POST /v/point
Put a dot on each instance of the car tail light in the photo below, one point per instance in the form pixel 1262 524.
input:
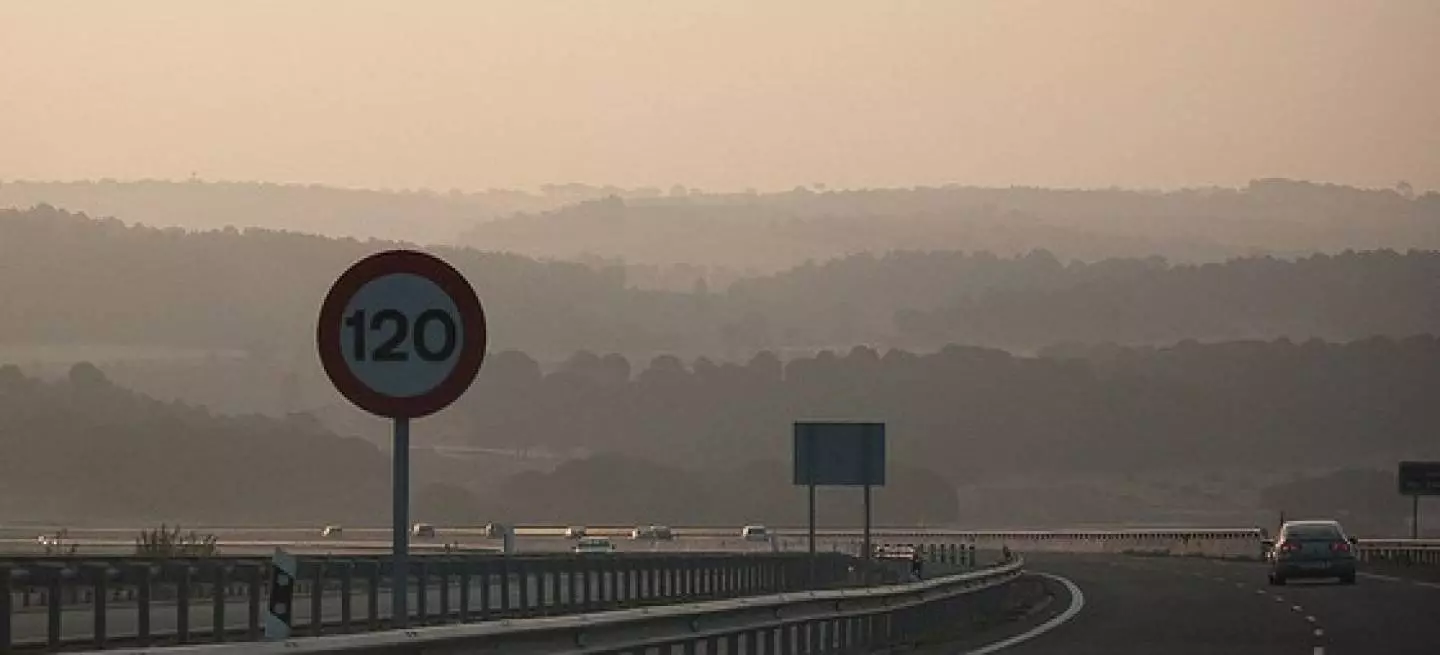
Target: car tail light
pixel 1340 547
pixel 1289 547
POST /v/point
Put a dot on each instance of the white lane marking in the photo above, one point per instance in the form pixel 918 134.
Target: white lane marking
pixel 1319 632
pixel 1260 591
pixel 1310 619
pixel 1319 650
pixel 1297 608
pixel 1279 599
pixel 1431 585
pixel 1239 585
pixel 1077 602
pixel 1377 576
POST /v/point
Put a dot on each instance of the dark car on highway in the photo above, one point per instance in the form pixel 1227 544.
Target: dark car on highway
pixel 1312 549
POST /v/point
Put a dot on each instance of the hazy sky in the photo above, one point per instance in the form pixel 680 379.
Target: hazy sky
pixel 723 94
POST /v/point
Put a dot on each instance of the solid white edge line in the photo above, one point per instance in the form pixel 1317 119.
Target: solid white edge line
pixel 1077 602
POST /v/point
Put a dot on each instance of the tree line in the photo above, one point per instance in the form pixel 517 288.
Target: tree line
pixel 70 280
pixel 775 231
pixel 84 450
pixel 972 413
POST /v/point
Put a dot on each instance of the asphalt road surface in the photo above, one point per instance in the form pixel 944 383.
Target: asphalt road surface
pixel 1174 606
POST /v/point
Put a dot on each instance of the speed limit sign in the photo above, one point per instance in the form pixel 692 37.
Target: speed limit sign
pixel 401 334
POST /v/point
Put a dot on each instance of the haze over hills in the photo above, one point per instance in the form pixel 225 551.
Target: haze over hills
pixel 421 216
pixel 771 232
pixel 1069 369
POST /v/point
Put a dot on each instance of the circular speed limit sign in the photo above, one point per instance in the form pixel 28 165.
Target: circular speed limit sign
pixel 401 334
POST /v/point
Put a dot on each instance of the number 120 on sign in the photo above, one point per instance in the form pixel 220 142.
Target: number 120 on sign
pixel 401 334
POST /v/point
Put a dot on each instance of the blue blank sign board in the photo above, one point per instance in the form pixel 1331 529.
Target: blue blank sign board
pixel 840 454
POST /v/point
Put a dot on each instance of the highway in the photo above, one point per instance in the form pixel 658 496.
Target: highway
pixel 1184 606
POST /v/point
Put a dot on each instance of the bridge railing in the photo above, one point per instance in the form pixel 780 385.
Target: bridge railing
pixel 135 601
pixel 833 621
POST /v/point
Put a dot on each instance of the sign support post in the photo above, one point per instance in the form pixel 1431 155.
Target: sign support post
pixel 400 525
pixel 865 543
pixel 845 454
pixel 812 533
pixel 1415 516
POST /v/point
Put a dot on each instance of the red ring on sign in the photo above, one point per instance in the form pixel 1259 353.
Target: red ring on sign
pixel 443 275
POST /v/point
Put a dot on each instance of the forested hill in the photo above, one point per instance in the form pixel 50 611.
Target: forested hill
pixel 67 279
pixel 1258 406
pixel 772 232
pixel 83 450
pixel 420 216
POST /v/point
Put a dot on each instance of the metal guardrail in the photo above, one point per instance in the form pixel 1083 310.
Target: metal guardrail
pixel 154 599
pixel 844 621
pixel 1401 552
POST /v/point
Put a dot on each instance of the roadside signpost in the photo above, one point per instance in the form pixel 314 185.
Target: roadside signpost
pixel 1418 479
pixel 848 454
pixel 401 335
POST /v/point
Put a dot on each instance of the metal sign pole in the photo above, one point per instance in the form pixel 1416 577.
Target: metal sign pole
pixel 400 515
pixel 866 541
pixel 1415 516
pixel 812 533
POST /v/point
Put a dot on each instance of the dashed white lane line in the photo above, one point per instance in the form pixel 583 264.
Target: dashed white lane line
pixel 1319 632
pixel 1077 602
pixel 1297 608
pixel 1377 576
pixel 1319 650
pixel 1310 619
pixel 1279 599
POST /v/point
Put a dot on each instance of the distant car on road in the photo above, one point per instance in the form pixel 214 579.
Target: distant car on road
pixel 424 530
pixel 755 533
pixel 652 532
pixel 575 532
pixel 594 545
pixel 332 531
pixel 1311 549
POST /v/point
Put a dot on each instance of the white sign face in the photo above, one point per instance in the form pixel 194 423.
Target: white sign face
pixel 401 335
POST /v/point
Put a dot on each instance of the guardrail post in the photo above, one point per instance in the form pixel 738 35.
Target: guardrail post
pixel 317 596
pixel 485 581
pixel 52 608
pixel 504 566
pixel 254 574
pixel 464 573
pixel 182 603
pixel 421 569
pixel 372 597
pixel 6 610
pixel 587 571
pixel 444 566
pixel 524 573
pixel 347 574
pixel 217 600
pixel 142 603
pixel 100 598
